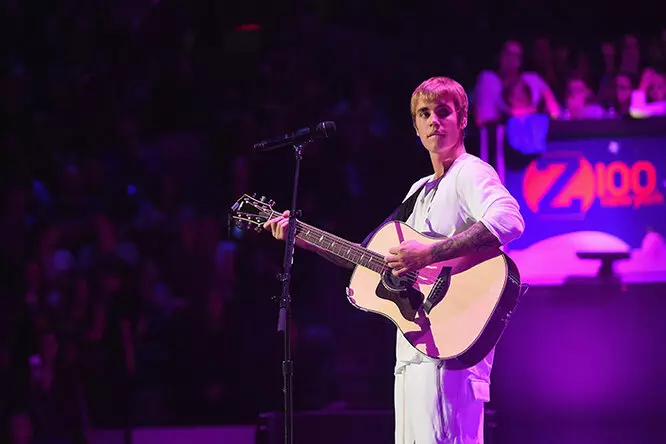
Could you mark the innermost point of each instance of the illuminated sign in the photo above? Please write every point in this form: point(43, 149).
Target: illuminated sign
point(568, 184)
point(614, 186)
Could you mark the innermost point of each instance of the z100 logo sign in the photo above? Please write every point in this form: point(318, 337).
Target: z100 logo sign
point(569, 184)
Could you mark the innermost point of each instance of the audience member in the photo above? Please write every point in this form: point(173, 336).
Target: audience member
point(489, 103)
point(649, 99)
point(580, 102)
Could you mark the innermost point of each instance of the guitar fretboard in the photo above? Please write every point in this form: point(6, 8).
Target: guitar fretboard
point(350, 251)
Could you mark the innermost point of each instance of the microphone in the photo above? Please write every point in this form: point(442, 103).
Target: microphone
point(323, 130)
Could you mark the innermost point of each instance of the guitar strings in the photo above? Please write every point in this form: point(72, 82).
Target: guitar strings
point(375, 258)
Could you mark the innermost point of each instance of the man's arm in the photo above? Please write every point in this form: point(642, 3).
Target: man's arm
point(411, 255)
point(476, 238)
point(485, 200)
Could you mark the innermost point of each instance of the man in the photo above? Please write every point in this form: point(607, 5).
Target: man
point(465, 201)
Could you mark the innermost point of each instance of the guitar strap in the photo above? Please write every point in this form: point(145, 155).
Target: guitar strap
point(401, 213)
point(406, 208)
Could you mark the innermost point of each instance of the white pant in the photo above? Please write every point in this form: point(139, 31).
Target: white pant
point(435, 405)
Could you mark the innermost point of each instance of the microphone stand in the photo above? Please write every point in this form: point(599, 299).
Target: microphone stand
point(285, 302)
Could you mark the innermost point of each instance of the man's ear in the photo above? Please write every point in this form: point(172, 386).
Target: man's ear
point(463, 124)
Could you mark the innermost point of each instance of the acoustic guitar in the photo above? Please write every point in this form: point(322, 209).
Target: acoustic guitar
point(453, 310)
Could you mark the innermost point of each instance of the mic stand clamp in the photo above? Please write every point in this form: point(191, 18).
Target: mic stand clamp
point(285, 302)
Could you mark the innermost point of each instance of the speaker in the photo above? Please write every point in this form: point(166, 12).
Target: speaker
point(329, 427)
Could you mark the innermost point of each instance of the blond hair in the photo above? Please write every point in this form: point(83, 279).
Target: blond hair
point(436, 88)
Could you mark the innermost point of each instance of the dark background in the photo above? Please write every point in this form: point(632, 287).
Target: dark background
point(126, 137)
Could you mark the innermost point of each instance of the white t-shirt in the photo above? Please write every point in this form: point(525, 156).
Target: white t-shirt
point(468, 192)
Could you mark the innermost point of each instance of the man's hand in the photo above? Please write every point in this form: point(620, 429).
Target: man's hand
point(279, 226)
point(408, 256)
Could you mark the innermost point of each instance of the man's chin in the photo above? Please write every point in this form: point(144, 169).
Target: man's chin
point(439, 149)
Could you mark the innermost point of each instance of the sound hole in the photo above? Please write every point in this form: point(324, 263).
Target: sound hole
point(397, 283)
point(400, 290)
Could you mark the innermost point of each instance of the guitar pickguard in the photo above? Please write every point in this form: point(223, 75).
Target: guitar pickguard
point(409, 300)
point(401, 291)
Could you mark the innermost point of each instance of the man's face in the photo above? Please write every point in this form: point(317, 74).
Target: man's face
point(519, 97)
point(437, 125)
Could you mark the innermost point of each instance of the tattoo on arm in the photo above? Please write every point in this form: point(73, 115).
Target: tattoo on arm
point(475, 239)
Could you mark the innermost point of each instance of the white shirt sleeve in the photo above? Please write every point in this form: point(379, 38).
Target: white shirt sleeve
point(639, 107)
point(484, 198)
point(537, 86)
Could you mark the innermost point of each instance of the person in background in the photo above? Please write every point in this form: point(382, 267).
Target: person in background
point(579, 101)
point(650, 97)
point(630, 56)
point(518, 98)
point(490, 106)
point(615, 97)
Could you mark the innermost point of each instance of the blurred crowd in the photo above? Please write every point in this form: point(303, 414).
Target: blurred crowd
point(629, 81)
point(127, 297)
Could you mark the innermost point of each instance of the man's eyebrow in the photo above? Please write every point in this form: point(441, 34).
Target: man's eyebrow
point(437, 107)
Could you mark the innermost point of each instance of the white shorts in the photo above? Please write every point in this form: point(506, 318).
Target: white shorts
point(435, 405)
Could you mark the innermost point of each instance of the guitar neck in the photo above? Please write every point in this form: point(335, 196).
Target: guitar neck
point(338, 246)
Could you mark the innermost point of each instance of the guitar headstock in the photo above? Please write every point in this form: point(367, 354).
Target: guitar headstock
point(251, 213)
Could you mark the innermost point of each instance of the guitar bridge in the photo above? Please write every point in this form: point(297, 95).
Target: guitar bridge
point(438, 290)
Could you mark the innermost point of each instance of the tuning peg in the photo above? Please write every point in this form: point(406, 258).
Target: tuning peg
point(271, 202)
point(263, 199)
point(254, 195)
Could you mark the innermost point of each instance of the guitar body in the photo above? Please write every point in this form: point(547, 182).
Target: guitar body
point(453, 310)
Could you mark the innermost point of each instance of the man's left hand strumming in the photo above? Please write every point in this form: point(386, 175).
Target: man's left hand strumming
point(409, 256)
